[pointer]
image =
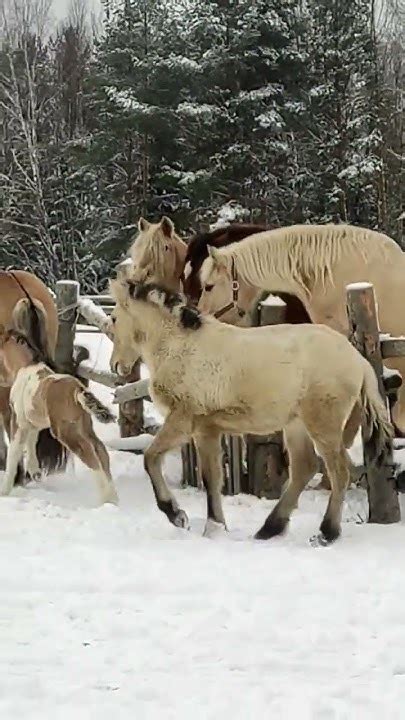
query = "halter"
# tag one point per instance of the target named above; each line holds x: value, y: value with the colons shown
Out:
x: 235, y: 295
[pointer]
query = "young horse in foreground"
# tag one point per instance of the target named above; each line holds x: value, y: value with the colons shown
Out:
x: 209, y: 378
x: 41, y: 398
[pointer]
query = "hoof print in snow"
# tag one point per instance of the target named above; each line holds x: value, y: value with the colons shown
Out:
x: 319, y: 540
x: 214, y: 529
x: 181, y: 520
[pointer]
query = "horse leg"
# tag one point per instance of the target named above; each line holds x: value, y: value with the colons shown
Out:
x: 337, y: 464
x: 175, y: 431
x: 20, y: 472
x: 14, y: 455
x: 33, y: 468
x: 83, y: 442
x: 3, y: 445
x: 303, y: 466
x: 209, y: 450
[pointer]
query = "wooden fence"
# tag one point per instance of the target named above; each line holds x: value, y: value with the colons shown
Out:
x: 253, y: 464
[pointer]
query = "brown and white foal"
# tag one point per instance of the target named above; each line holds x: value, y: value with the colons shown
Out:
x: 41, y: 398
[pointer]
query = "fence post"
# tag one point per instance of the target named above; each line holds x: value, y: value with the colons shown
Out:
x: 67, y: 296
x: 130, y: 417
x: 364, y: 335
x: 266, y: 459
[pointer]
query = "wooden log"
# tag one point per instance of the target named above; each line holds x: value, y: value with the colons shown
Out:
x: 103, y: 377
x: 266, y: 459
x: 392, y: 347
x: 132, y: 391
x: 67, y: 297
x: 131, y: 411
x: 95, y: 315
x: 364, y: 335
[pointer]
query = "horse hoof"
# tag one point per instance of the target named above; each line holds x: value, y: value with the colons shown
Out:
x: 213, y: 529
x: 35, y: 476
x: 319, y: 540
x: 181, y: 520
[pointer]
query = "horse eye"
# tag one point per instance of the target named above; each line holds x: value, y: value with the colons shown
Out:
x: 208, y: 288
x: 113, y: 320
x: 166, y: 248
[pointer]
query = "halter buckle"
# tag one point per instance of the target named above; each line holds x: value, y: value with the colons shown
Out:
x: 235, y: 286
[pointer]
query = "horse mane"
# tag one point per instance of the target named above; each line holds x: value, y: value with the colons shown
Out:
x: 305, y: 254
x: 197, y: 250
x: 175, y: 304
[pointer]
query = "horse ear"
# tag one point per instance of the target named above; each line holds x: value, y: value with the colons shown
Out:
x: 167, y: 226
x: 143, y: 225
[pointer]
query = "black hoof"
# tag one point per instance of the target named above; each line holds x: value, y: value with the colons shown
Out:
x: 272, y: 527
x: 20, y: 477
x: 329, y: 530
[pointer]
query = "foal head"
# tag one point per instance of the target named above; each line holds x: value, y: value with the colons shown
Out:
x: 16, y: 352
x: 144, y: 311
x: 158, y: 254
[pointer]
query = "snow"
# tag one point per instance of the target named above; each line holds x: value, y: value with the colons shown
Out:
x: 359, y: 286
x: 112, y: 612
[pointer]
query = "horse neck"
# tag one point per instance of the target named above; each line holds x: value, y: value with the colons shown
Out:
x: 260, y: 278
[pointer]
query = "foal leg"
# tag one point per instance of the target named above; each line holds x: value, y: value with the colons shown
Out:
x: 81, y: 440
x: 8, y: 422
x: 209, y: 449
x: 14, y: 455
x: 174, y: 432
x: 303, y: 466
x: 3, y: 445
x: 33, y: 468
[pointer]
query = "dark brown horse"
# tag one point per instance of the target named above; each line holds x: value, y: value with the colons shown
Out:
x: 197, y: 252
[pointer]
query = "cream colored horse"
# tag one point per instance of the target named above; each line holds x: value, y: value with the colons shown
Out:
x: 158, y: 254
x: 316, y: 262
x: 210, y: 378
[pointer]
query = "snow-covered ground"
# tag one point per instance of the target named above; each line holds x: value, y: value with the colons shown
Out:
x: 113, y: 613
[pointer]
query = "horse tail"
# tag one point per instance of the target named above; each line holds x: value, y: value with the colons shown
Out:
x: 29, y: 318
x: 52, y: 455
x: 378, y: 431
x: 92, y: 405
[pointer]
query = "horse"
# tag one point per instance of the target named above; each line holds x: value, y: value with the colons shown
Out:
x: 208, y: 378
x: 197, y: 252
x: 159, y: 255
x: 27, y: 305
x: 43, y: 399
x: 159, y: 251
x: 315, y: 262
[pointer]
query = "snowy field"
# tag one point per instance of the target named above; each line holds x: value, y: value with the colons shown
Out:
x: 113, y: 613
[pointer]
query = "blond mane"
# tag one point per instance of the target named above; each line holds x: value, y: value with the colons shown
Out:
x: 306, y: 254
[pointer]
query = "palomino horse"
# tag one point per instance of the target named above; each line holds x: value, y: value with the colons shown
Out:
x: 315, y: 262
x: 210, y: 378
x: 159, y: 255
x: 42, y: 399
x: 27, y: 305
x: 158, y: 251
x: 197, y: 252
